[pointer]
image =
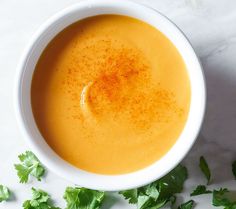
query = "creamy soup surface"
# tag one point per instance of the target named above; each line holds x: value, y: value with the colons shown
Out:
x: 110, y: 94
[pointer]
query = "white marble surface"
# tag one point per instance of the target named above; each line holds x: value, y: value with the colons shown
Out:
x: 210, y: 25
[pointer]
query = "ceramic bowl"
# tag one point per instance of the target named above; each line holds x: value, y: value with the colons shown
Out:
x: 23, y: 101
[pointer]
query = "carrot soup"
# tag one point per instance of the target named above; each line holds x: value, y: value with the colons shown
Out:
x: 110, y: 94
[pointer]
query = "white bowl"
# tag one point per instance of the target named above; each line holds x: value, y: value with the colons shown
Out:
x: 23, y: 102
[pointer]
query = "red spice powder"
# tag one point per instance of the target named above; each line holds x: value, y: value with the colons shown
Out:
x: 120, y: 80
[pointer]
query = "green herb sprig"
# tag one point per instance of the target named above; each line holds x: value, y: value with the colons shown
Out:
x: 160, y: 192
x: 4, y: 193
x: 205, y: 169
x: 30, y: 165
x: 82, y: 198
x: 40, y: 200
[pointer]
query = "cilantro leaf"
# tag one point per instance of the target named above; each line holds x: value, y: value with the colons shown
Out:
x: 234, y: 169
x: 30, y: 165
x: 173, y: 182
x: 4, y: 193
x: 160, y: 192
x: 187, y: 205
x: 82, y: 198
x: 220, y: 198
x: 146, y: 202
x: 205, y: 169
x: 130, y: 195
x: 201, y: 189
x: 40, y: 200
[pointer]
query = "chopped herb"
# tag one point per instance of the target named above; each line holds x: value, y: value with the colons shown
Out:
x: 4, y: 193
x: 82, y: 198
x: 40, y: 200
x: 205, y: 169
x: 160, y: 192
x: 187, y: 205
x: 201, y: 189
x: 130, y: 195
x: 30, y: 165
x: 219, y: 197
x: 234, y: 169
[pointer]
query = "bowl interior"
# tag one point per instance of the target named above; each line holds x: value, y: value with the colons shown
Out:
x: 23, y: 104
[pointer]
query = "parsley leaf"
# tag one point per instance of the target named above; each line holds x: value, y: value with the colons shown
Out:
x: 82, y: 198
x: 234, y: 169
x: 4, y: 193
x: 201, y: 189
x: 187, y: 205
x: 30, y: 165
x: 40, y: 200
x: 160, y: 192
x: 205, y: 169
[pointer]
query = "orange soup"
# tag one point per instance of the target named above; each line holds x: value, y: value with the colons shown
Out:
x: 110, y: 94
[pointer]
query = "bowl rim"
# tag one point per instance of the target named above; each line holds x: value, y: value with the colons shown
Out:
x: 124, y: 181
